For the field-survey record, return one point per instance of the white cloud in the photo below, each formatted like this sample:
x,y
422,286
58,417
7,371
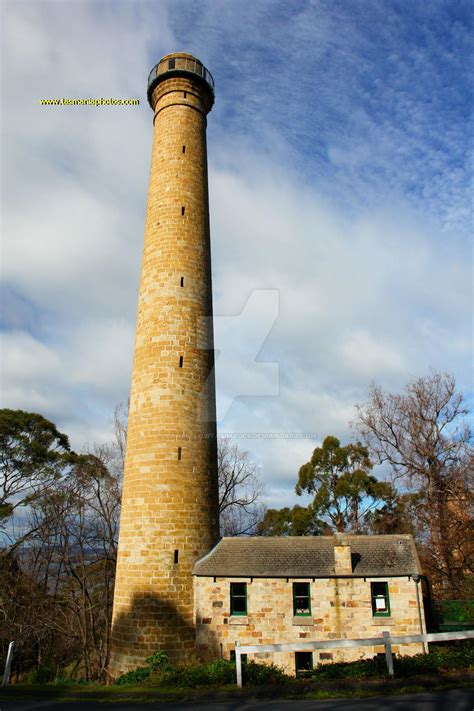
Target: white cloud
x,y
353,302
100,355
73,201
337,177
29,374
365,354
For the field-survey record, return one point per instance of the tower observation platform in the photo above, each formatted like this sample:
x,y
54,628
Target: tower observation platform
x,y
179,65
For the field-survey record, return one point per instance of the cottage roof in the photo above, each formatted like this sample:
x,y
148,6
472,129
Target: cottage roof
x,y
308,556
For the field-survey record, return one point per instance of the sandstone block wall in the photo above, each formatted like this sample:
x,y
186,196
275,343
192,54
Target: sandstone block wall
x,y
340,608
169,512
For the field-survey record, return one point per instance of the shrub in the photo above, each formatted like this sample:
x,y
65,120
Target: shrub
x,y
254,673
159,661
134,677
212,673
221,672
361,669
459,656
455,611
43,674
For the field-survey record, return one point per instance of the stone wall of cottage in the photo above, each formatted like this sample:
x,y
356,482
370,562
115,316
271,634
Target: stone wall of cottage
x,y
340,608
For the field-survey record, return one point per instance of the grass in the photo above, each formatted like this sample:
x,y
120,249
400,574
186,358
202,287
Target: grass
x,y
293,688
445,667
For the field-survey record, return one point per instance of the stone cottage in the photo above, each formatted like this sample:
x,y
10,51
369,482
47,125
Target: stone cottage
x,y
302,589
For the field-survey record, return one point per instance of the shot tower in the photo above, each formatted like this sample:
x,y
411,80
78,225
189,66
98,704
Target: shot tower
x,y
169,511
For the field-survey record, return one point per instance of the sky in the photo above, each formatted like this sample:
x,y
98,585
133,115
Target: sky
x,y
339,155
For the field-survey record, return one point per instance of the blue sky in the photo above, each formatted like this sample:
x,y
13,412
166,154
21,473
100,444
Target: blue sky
x,y
339,164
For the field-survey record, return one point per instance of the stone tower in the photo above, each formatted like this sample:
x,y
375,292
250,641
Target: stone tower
x,y
170,498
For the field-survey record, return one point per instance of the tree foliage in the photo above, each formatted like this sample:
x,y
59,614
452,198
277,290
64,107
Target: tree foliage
x,y
33,455
399,514
297,521
343,488
57,577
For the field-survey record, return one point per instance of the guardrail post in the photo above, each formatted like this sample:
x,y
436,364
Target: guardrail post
x,y
8,664
238,664
388,652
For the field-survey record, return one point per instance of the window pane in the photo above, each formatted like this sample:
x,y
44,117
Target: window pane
x,y
238,604
304,661
301,599
238,598
380,598
301,604
238,588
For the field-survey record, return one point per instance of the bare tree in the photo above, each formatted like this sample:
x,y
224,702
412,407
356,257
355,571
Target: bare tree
x,y
240,490
56,586
424,436
118,448
73,556
56,580
23,604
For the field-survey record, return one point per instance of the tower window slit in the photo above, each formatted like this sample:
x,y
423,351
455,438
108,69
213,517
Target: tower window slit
x,y
180,361
184,149
182,281
182,210
176,557
179,453
185,93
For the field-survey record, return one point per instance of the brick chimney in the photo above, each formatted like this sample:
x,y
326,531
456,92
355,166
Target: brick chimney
x,y
342,554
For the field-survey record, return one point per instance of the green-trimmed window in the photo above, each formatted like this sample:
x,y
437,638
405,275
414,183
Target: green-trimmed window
x,y
238,598
380,599
301,599
303,663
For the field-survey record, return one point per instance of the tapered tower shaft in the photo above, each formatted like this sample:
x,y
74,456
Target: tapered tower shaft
x,y
170,508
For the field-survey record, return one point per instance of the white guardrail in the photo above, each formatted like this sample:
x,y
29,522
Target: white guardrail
x,y
385,641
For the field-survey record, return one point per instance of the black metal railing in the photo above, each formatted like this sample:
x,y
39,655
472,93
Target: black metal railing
x,y
180,64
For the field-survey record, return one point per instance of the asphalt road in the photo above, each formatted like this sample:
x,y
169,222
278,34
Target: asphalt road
x,y
452,700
